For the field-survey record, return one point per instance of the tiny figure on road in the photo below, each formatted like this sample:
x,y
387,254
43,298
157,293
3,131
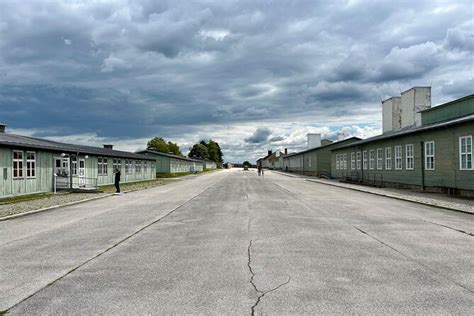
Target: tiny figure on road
x,y
263,172
117,180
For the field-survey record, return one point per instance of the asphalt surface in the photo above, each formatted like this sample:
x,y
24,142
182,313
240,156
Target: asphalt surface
x,y
234,243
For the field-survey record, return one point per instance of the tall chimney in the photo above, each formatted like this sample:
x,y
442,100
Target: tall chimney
x,y
286,151
413,101
108,146
314,140
269,152
2,128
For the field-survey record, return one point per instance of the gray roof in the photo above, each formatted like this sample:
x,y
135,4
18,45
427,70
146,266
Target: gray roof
x,y
27,142
410,130
338,144
158,153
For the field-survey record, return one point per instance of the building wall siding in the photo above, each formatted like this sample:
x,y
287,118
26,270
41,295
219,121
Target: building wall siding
x,y
43,182
452,111
447,171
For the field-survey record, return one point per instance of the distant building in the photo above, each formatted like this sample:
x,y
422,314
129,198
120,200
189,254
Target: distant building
x,y
316,160
32,165
169,163
421,147
273,160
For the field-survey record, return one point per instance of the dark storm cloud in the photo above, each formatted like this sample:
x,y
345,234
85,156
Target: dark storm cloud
x,y
174,67
260,135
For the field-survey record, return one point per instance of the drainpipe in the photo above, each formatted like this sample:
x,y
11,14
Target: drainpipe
x,y
70,171
422,151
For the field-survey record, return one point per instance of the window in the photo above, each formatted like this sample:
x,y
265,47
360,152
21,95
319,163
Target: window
x,y
117,163
388,158
138,166
345,161
74,165
358,160
17,164
379,159
102,166
145,167
364,154
337,162
465,153
429,155
30,164
372,159
410,160
398,157
128,166
353,161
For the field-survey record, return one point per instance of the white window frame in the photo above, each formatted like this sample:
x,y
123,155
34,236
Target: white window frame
x,y
18,164
99,166
430,155
130,166
372,159
465,153
117,164
337,162
388,158
379,158
409,157
359,156
398,157
102,166
365,161
344,159
353,161
138,166
74,164
29,162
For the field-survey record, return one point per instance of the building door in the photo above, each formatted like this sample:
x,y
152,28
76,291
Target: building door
x,y
61,170
82,172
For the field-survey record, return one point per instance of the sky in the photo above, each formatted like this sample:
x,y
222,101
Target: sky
x,y
252,75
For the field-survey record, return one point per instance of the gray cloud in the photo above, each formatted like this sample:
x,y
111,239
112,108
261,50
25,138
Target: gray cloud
x,y
260,135
136,69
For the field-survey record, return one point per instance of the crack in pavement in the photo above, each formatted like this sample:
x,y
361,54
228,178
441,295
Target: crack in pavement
x,y
448,227
260,293
109,248
412,259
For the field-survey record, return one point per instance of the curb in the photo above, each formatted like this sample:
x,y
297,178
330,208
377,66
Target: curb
x,y
394,197
6,218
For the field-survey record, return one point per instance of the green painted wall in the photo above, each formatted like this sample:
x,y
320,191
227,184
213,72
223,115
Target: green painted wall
x,y
447,171
43,182
450,111
313,162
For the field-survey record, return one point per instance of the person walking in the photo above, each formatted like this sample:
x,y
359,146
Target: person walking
x,y
117,180
259,168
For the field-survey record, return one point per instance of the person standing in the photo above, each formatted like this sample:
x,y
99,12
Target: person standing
x,y
117,180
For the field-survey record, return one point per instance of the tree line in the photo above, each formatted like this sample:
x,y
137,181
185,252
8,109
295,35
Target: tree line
x,y
202,150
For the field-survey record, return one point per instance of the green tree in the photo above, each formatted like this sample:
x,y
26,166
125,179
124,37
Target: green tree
x,y
199,151
247,163
214,150
161,145
174,148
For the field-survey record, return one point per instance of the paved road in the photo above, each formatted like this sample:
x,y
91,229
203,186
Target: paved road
x,y
233,243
